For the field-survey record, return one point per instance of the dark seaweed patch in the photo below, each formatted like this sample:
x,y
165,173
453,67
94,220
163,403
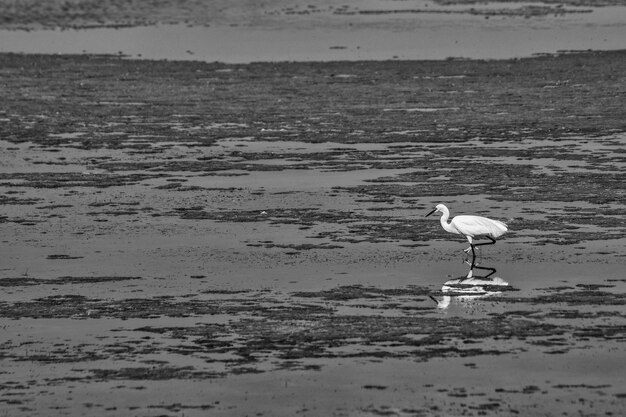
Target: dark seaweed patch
x,y
6,200
26,281
62,256
152,374
350,292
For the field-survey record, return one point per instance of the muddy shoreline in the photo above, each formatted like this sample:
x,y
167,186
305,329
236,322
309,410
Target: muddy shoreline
x,y
184,237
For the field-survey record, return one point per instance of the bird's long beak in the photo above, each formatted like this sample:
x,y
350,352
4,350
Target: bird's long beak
x,y
434,210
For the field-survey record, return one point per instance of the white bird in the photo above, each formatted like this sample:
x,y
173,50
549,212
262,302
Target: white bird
x,y
471,227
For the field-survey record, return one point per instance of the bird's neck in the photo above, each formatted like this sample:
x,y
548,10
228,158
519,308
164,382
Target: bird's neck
x,y
444,222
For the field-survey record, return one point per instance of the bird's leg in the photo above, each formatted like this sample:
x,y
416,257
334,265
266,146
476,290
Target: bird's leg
x,y
473,257
473,250
493,270
468,250
469,239
471,264
493,242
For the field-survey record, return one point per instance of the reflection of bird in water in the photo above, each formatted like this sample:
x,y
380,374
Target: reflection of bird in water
x,y
470,289
472,227
463,300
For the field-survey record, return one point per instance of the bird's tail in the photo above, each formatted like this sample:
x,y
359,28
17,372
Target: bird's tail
x,y
502,228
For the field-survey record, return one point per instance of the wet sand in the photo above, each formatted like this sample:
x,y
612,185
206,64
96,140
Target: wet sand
x,y
191,238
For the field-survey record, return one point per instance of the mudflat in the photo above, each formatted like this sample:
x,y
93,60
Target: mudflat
x,y
189,238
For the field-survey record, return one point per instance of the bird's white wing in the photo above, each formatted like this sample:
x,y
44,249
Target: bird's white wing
x,y
479,226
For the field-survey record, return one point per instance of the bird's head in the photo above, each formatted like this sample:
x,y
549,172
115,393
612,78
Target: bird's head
x,y
440,208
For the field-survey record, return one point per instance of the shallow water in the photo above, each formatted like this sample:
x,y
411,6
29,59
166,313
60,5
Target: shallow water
x,y
422,36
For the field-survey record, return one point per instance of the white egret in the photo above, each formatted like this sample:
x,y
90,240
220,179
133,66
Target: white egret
x,y
471,227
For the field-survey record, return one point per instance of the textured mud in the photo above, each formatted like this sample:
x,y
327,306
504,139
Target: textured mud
x,y
268,332
183,237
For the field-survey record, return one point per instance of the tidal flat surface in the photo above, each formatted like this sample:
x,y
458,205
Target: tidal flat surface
x,y
184,238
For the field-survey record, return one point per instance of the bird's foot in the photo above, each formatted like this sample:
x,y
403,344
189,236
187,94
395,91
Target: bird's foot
x,y
468,250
